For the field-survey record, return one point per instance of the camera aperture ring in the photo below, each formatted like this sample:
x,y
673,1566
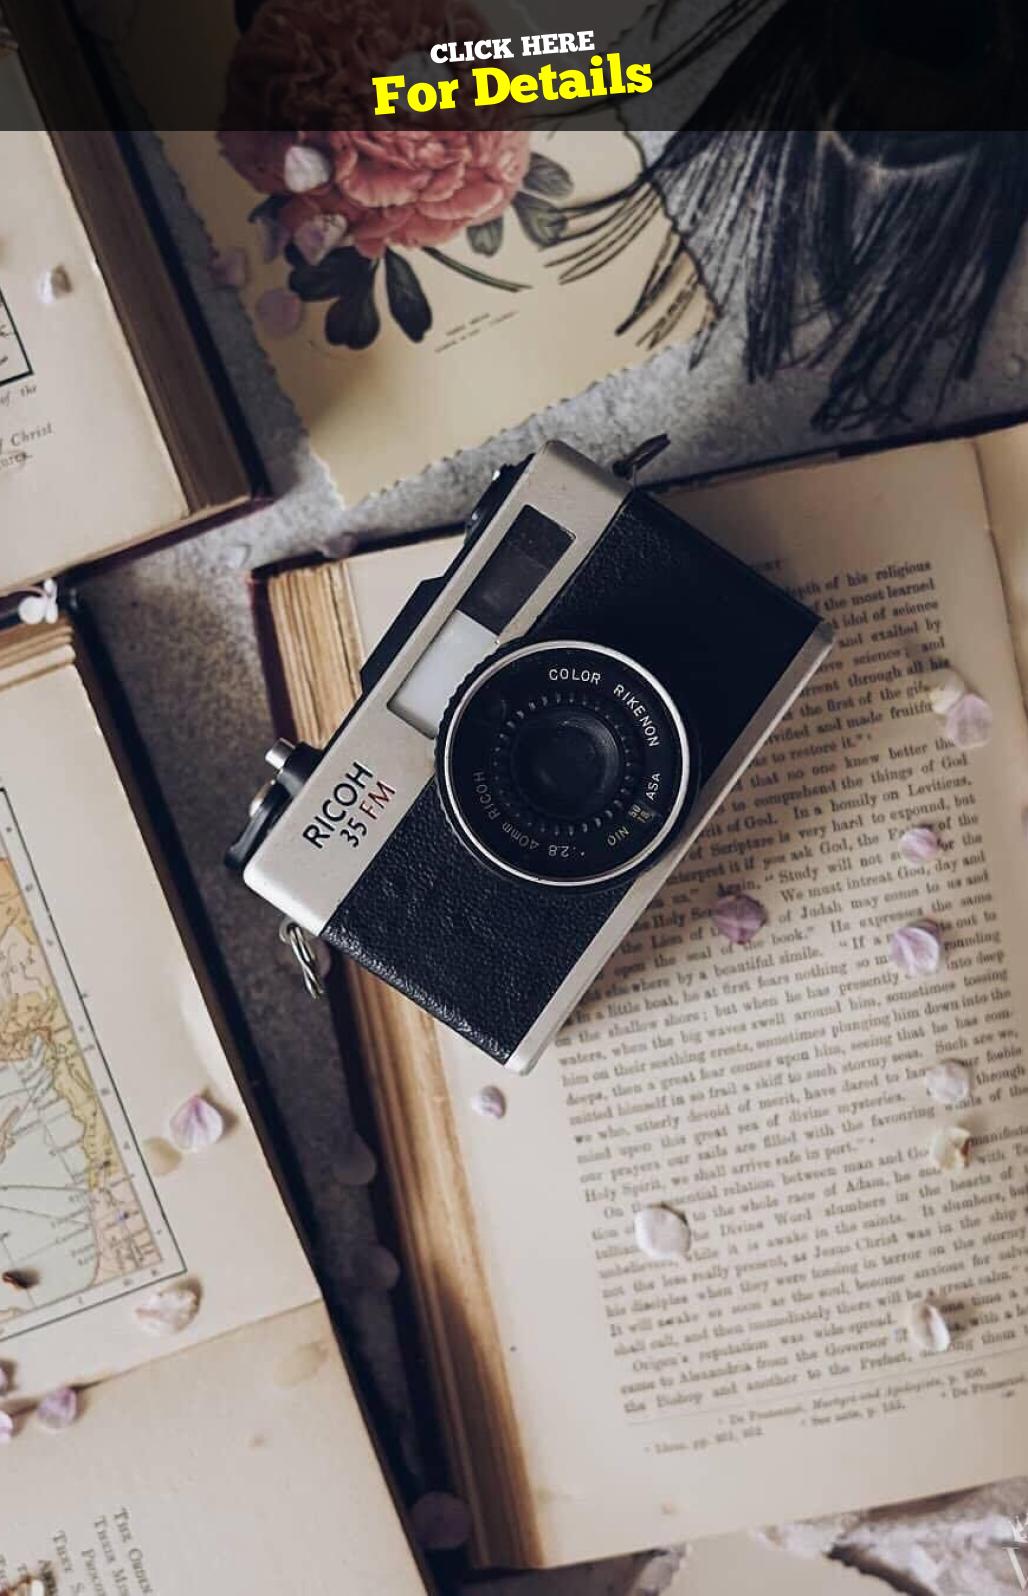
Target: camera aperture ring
x,y
563,763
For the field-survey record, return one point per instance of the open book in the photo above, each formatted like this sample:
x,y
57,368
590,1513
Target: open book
x,y
597,1400
237,1443
110,429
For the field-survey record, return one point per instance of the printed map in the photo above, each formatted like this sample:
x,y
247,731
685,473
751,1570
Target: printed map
x,y
80,1222
14,361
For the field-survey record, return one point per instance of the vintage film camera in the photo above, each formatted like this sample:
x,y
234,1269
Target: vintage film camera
x,y
543,732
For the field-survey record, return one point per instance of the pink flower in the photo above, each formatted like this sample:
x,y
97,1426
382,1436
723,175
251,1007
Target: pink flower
x,y
409,187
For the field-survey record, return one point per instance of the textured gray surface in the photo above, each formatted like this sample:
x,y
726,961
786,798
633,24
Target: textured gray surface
x,y
177,626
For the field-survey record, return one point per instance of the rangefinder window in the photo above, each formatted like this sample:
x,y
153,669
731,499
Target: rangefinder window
x,y
513,571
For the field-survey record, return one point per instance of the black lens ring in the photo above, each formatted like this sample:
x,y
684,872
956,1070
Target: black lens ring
x,y
486,805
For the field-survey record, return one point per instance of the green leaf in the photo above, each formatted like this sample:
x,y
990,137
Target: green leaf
x,y
486,237
406,297
543,223
547,177
353,321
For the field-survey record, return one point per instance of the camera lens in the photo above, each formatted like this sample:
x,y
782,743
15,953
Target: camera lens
x,y
564,763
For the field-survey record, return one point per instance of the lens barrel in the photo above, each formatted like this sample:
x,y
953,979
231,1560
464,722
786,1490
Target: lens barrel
x,y
563,763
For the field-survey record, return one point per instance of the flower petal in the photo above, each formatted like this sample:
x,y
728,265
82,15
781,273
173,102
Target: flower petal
x,y
230,268
661,1233
969,722
926,1326
657,1573
919,845
306,167
945,688
59,1409
440,1522
950,1147
279,312
169,1311
948,1082
319,236
32,609
916,949
738,917
197,1124
490,1103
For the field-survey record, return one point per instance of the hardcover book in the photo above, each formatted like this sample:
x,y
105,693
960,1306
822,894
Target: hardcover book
x,y
773,1092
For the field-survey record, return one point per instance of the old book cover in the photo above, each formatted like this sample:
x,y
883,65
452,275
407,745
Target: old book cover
x,y
774,1093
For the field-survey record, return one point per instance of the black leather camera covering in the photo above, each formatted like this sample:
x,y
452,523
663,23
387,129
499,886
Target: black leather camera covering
x,y
484,953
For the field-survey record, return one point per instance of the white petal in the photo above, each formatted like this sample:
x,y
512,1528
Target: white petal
x,y
32,609
59,1409
949,1082
656,1574
319,236
6,1428
950,1147
738,917
54,284
356,1163
969,722
440,1522
169,1311
945,687
197,1124
230,268
661,1233
306,167
926,1326
916,949
279,312
490,1103
919,845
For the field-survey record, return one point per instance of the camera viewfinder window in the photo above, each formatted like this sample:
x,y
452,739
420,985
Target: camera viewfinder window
x,y
514,570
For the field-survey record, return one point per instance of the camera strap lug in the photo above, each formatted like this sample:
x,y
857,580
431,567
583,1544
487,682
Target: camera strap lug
x,y
629,467
305,950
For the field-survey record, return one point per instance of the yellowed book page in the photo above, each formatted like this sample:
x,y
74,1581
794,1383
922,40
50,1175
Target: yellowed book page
x,y
492,356
729,1565
103,1034
1003,461
243,1467
774,1094
83,467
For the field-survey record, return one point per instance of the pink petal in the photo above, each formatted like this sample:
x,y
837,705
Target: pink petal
x,y
6,1428
440,1522
320,235
969,722
490,1103
356,1163
916,949
279,312
919,845
738,917
59,1409
197,1124
230,268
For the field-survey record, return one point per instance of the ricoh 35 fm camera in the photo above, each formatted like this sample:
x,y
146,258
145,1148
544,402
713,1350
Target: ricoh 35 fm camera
x,y
542,733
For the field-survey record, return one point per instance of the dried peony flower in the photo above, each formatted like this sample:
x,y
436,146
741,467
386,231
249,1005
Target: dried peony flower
x,y
230,268
440,1522
279,312
916,949
6,1428
949,1082
738,917
54,285
356,1164
305,167
375,1268
59,1409
919,845
926,1327
169,1311
196,1125
661,1233
969,722
950,1147
319,236
490,1103
945,689
657,1573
